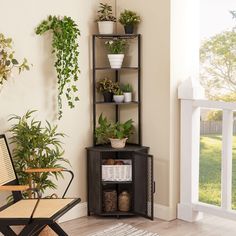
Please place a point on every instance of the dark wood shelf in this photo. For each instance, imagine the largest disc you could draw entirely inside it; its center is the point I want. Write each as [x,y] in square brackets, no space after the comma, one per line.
[117,103]
[117,213]
[127,148]
[117,182]
[111,36]
[122,68]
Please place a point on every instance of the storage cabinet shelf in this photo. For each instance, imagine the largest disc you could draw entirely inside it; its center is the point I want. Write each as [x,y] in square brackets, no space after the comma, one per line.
[122,68]
[116,103]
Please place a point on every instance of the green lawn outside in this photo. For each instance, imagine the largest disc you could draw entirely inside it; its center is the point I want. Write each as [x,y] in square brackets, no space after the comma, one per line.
[210,170]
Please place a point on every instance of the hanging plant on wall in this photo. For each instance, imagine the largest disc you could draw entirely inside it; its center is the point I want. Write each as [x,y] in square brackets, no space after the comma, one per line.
[8,61]
[66,48]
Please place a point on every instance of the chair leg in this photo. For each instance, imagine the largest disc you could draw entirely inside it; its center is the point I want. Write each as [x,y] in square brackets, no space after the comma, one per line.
[57,229]
[7,231]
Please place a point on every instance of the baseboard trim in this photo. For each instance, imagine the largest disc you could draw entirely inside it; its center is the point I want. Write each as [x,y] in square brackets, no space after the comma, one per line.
[78,211]
[164,212]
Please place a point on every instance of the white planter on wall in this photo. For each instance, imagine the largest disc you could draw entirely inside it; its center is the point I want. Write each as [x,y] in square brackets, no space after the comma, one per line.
[128,97]
[105,27]
[116,60]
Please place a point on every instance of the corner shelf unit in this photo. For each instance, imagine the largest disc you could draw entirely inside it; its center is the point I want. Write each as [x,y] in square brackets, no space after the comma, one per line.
[117,73]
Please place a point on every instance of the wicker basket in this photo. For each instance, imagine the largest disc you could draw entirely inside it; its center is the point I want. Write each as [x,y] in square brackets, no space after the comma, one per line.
[110,200]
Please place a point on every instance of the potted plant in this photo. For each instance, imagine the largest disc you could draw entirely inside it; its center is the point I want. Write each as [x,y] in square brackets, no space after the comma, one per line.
[8,61]
[116,48]
[105,19]
[127,90]
[118,96]
[117,133]
[107,87]
[66,49]
[129,19]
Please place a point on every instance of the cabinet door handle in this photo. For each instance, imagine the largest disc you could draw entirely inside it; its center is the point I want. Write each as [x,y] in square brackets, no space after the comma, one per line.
[154,186]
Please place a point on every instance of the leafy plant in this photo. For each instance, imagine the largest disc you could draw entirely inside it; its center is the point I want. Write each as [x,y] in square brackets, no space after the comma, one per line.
[116,46]
[36,146]
[66,48]
[107,85]
[127,88]
[128,17]
[8,61]
[105,13]
[107,129]
[118,92]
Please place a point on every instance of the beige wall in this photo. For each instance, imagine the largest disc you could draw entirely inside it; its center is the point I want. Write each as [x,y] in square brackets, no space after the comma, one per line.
[36,89]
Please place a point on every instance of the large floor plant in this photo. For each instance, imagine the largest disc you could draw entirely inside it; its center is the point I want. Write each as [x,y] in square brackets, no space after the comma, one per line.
[66,48]
[36,146]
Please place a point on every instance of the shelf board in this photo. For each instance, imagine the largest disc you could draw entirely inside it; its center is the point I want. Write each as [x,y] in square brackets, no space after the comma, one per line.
[117,103]
[117,182]
[127,148]
[122,68]
[121,36]
[117,213]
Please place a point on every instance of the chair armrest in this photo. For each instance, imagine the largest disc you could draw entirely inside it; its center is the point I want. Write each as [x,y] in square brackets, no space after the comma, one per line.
[41,170]
[14,187]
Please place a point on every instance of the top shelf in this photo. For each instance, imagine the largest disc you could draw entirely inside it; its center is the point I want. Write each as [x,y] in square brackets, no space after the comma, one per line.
[121,36]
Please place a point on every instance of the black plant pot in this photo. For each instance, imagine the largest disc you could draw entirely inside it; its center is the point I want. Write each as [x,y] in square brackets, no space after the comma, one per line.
[107,96]
[129,29]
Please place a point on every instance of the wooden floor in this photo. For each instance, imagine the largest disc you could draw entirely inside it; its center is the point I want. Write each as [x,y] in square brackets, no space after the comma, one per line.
[208,226]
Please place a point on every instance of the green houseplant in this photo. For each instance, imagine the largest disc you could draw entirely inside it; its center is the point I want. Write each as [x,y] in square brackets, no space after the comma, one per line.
[105,19]
[127,90]
[36,146]
[66,48]
[117,133]
[107,87]
[129,19]
[8,61]
[116,49]
[118,96]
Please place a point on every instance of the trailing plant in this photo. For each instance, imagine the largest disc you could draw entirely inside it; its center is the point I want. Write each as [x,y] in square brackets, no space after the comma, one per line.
[128,17]
[7,59]
[116,46]
[108,129]
[107,85]
[105,13]
[66,48]
[127,88]
[36,146]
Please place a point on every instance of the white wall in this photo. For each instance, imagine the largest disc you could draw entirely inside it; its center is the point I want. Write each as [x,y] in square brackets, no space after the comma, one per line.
[36,89]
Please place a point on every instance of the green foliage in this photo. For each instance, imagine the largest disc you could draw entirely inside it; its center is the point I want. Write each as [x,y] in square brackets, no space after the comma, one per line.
[36,146]
[107,129]
[66,48]
[107,85]
[118,92]
[7,59]
[105,13]
[127,88]
[116,46]
[128,17]
[218,63]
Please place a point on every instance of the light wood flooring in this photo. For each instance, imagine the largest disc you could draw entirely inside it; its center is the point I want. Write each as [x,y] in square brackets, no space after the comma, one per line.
[208,226]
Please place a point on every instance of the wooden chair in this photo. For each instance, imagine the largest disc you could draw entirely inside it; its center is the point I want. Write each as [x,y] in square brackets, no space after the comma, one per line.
[33,214]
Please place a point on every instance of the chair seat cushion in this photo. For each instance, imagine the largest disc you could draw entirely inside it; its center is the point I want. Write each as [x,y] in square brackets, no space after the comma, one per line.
[45,209]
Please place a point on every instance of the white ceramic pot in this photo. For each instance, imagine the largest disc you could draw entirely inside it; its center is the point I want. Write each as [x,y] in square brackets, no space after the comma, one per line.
[105,27]
[116,60]
[128,97]
[118,98]
[118,143]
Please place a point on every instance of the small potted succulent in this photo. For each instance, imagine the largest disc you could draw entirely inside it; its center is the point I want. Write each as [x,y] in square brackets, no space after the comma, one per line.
[129,19]
[107,87]
[127,90]
[105,19]
[116,49]
[118,96]
[117,133]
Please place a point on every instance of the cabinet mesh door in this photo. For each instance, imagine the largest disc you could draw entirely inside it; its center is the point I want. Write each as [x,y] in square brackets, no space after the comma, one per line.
[143,184]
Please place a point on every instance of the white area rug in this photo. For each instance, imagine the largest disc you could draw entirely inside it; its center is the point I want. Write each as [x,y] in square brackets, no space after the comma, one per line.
[123,230]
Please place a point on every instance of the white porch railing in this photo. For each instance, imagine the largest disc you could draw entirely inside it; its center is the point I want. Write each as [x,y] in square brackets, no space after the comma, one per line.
[189,208]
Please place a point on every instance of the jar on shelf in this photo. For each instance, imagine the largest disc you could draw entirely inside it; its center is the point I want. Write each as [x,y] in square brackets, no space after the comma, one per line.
[110,200]
[124,201]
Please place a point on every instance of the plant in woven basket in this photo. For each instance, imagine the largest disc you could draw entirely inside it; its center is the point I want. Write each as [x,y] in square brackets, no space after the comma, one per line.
[36,146]
[8,61]
[66,48]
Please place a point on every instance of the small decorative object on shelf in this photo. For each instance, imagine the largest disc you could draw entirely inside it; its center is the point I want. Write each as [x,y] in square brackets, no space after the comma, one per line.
[116,48]
[124,201]
[117,132]
[127,91]
[118,96]
[129,19]
[110,200]
[105,19]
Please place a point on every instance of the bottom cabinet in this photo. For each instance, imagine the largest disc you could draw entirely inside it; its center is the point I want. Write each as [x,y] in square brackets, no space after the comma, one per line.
[120,181]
